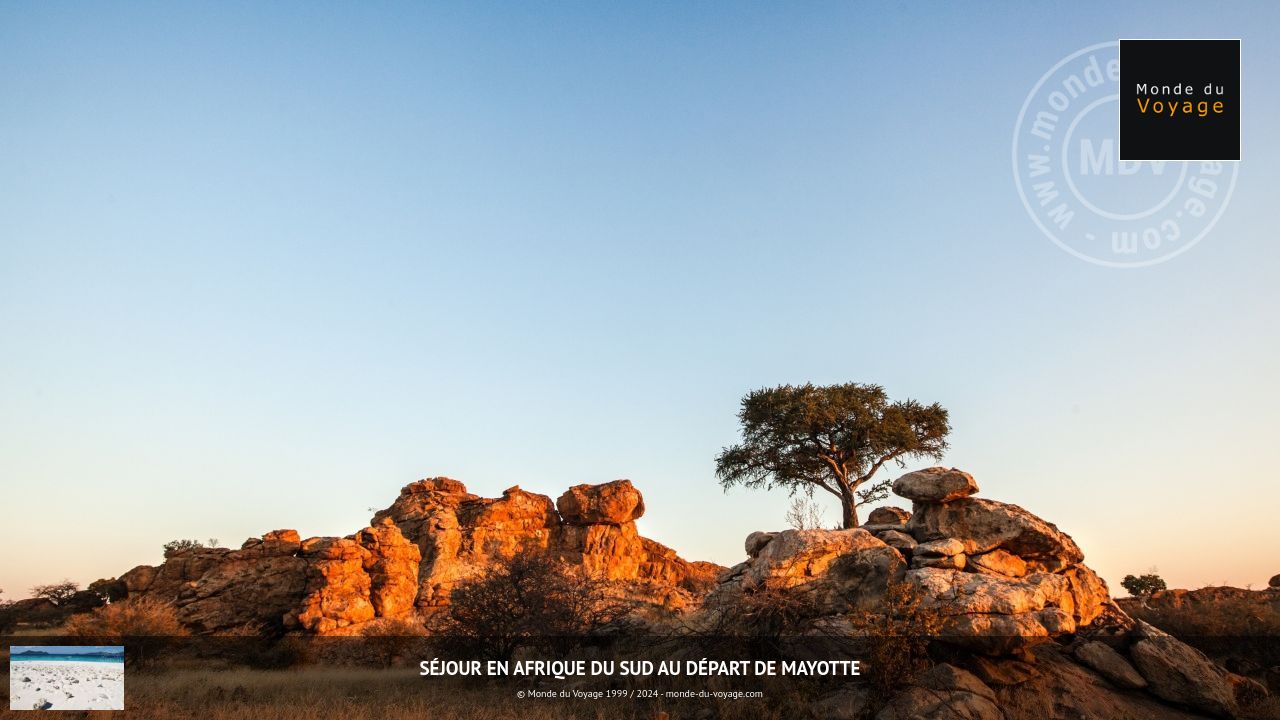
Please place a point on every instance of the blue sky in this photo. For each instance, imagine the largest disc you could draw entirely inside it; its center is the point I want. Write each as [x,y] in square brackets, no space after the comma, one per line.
[261,265]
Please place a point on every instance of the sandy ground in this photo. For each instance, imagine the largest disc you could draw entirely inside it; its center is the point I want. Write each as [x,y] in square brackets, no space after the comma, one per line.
[66,685]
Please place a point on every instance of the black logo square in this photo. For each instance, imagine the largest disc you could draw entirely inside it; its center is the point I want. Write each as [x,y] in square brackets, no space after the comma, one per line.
[1179,99]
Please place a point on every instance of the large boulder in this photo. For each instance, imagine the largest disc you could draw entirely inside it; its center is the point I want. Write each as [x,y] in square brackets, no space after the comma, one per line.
[986,525]
[996,614]
[999,562]
[613,503]
[947,553]
[139,579]
[935,485]
[1181,674]
[888,516]
[1274,581]
[944,692]
[839,570]
[756,541]
[899,541]
[847,703]
[1108,663]
[1064,689]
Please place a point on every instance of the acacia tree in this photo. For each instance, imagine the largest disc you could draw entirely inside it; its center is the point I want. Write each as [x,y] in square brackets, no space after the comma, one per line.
[1143,586]
[57,593]
[831,437]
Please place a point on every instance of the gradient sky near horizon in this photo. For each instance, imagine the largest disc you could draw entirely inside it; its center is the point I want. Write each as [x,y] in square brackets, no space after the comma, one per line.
[261,264]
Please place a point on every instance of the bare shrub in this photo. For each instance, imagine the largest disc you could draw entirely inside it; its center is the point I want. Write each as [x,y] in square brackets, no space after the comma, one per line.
[804,513]
[174,547]
[899,632]
[137,617]
[530,601]
[391,640]
[143,625]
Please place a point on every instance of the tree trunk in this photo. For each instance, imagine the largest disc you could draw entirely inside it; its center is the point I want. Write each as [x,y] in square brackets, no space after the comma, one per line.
[849,508]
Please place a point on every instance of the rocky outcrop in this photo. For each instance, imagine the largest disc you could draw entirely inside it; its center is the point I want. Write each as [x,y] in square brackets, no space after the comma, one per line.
[280,582]
[1274,581]
[1267,599]
[591,526]
[434,536]
[1035,629]
[999,578]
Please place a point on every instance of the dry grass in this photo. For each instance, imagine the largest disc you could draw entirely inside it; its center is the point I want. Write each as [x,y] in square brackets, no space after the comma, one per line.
[1228,617]
[141,617]
[320,693]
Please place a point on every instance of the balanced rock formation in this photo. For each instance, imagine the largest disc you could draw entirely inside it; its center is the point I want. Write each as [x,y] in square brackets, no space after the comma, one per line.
[1034,627]
[434,536]
[614,503]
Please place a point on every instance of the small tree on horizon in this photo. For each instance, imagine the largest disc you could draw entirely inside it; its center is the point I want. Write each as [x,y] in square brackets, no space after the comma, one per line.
[1142,586]
[833,437]
[56,593]
[181,545]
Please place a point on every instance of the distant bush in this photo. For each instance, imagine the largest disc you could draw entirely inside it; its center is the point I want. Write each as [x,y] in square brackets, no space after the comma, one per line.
[805,513]
[531,601]
[1143,585]
[8,617]
[56,593]
[177,546]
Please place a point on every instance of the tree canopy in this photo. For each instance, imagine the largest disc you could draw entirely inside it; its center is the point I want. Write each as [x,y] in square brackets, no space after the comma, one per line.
[831,437]
[1142,586]
[56,593]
